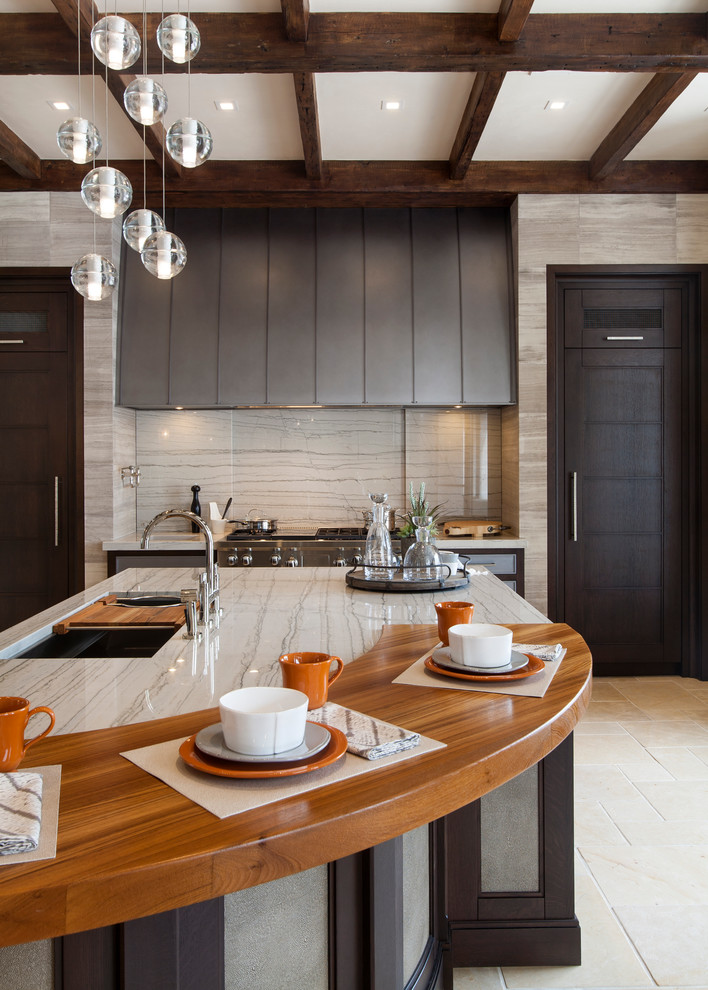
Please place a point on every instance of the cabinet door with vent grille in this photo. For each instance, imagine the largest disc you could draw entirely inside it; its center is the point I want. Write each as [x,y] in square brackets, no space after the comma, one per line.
[620,484]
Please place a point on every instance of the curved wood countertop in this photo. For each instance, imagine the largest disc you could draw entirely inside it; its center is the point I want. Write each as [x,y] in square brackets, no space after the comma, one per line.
[128,845]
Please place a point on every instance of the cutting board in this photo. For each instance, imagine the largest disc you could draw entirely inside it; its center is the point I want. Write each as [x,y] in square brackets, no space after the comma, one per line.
[471,527]
[104,613]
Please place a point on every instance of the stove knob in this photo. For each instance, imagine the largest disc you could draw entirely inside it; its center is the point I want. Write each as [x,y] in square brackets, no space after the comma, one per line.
[247,558]
[340,559]
[358,559]
[275,558]
[292,560]
[232,559]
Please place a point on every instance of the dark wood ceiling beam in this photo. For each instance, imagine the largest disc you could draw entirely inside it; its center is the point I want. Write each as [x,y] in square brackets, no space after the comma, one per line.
[485,90]
[404,42]
[17,156]
[296,15]
[649,106]
[380,183]
[306,97]
[513,15]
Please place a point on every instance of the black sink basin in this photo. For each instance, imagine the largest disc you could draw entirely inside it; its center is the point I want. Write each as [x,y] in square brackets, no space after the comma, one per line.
[127,641]
[138,601]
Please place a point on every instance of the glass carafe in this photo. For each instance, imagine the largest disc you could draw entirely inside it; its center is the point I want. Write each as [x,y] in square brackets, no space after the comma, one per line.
[379,558]
[422,560]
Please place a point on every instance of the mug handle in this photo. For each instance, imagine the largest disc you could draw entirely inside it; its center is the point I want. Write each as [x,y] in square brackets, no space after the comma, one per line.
[46,732]
[340,667]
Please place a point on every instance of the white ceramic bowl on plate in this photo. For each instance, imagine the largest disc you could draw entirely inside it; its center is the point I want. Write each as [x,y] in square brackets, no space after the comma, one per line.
[480,644]
[260,721]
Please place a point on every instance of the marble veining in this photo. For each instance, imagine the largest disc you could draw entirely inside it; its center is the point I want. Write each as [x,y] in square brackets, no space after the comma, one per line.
[266,612]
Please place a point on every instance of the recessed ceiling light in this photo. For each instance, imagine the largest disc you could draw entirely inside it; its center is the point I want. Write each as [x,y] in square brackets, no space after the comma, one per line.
[59,104]
[556,105]
[391,105]
[226,104]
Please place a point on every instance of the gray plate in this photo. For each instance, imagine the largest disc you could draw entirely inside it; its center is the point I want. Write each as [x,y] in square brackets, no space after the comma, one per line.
[442,658]
[211,742]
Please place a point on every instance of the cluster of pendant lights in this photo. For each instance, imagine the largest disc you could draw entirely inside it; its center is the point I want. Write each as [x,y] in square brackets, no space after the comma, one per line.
[106,190]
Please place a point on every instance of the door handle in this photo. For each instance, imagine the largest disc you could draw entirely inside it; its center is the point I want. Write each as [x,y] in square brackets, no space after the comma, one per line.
[574,506]
[56,511]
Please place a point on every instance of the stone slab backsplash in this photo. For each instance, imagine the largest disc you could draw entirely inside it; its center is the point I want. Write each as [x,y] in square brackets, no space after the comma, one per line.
[317,466]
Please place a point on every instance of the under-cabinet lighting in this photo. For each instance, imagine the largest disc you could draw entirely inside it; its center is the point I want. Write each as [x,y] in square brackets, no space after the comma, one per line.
[391,105]
[59,105]
[556,105]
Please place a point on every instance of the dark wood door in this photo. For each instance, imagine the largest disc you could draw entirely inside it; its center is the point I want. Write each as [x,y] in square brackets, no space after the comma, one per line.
[40,516]
[621,479]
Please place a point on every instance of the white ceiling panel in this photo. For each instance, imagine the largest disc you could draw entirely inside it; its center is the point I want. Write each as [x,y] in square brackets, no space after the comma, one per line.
[520,129]
[682,132]
[24,107]
[353,125]
[265,125]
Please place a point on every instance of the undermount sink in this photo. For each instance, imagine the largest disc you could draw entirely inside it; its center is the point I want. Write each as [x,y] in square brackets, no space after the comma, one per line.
[122,642]
[140,601]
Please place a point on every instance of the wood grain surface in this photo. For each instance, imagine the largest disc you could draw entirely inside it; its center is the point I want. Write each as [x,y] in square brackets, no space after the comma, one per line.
[104,613]
[128,845]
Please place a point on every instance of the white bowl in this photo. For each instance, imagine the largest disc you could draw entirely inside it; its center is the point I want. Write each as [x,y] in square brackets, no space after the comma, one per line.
[261,721]
[480,644]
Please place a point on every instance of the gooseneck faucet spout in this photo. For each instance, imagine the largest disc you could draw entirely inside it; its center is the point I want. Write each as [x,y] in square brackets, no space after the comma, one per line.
[209,581]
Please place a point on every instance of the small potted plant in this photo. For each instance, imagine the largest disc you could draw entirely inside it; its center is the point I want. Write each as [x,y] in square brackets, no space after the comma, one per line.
[419,506]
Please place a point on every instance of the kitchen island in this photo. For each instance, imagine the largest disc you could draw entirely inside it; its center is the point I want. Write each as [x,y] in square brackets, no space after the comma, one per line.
[129,846]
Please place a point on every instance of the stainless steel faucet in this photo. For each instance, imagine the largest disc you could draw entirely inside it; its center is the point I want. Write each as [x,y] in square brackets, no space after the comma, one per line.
[208,589]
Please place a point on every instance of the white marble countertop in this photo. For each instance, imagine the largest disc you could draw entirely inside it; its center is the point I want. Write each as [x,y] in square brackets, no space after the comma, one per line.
[267,611]
[167,540]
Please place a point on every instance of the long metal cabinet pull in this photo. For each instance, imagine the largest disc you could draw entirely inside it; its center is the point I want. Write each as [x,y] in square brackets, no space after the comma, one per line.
[641,337]
[574,506]
[11,341]
[56,511]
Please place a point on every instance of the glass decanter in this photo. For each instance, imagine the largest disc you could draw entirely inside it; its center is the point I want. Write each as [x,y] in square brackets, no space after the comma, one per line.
[379,558]
[422,560]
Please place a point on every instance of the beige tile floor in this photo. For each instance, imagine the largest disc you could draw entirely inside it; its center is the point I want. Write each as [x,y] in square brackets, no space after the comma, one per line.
[641,835]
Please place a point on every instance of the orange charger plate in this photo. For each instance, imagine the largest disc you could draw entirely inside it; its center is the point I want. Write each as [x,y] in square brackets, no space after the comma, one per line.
[534,666]
[333,751]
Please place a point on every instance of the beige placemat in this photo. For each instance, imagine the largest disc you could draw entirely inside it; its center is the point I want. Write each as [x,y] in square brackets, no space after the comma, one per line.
[47,848]
[230,796]
[530,687]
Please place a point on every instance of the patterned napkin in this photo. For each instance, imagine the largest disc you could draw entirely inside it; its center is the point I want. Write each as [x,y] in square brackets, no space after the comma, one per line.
[367,737]
[542,652]
[20,812]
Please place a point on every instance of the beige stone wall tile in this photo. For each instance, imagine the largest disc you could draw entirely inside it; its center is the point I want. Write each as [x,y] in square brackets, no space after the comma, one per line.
[627,229]
[24,208]
[24,244]
[692,229]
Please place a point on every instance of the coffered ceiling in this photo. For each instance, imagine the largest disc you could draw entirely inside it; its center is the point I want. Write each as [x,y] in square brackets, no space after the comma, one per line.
[474,80]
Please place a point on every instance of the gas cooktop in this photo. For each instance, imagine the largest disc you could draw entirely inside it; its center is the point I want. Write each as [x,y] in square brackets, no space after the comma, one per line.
[323,533]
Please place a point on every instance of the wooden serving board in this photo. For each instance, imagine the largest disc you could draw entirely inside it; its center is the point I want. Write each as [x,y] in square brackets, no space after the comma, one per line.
[104,613]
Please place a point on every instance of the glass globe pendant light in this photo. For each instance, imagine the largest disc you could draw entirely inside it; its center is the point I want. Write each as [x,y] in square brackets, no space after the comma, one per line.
[79,140]
[189,142]
[178,38]
[139,225]
[164,254]
[115,42]
[94,277]
[145,100]
[106,191]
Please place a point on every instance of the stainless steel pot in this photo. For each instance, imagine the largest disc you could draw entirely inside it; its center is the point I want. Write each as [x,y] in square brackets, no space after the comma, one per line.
[257,524]
[390,515]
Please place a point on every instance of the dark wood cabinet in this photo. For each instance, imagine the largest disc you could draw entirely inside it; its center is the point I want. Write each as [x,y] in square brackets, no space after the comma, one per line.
[326,306]
[625,444]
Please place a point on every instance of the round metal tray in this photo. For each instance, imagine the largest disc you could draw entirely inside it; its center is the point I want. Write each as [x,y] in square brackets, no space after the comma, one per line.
[447,581]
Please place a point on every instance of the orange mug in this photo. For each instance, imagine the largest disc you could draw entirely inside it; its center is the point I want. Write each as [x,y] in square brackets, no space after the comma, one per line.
[452,614]
[310,673]
[14,715]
